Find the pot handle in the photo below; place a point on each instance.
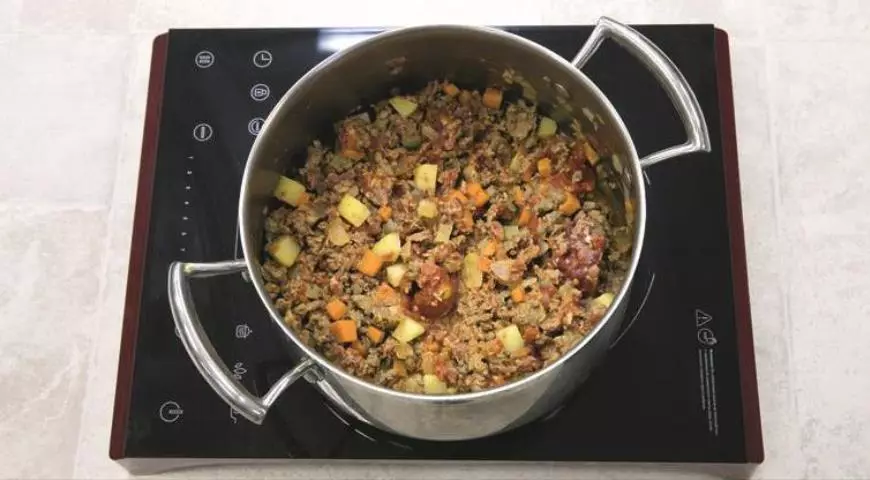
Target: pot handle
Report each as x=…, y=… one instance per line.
x=669, y=77
x=201, y=350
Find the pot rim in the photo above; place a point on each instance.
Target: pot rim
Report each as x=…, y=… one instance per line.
x=252, y=262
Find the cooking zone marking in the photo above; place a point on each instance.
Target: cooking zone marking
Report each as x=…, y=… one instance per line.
x=649, y=287
x=707, y=369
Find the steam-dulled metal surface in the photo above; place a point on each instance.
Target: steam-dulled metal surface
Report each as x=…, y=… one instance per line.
x=675, y=387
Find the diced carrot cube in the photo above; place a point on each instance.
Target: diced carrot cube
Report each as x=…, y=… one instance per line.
x=385, y=212
x=336, y=309
x=376, y=335
x=570, y=205
x=525, y=217
x=481, y=199
x=483, y=263
x=545, y=167
x=478, y=194
x=518, y=294
x=472, y=188
x=492, y=98
x=450, y=89
x=344, y=331
x=519, y=196
x=370, y=264
x=457, y=195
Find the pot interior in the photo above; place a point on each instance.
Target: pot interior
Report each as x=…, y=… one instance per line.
x=407, y=59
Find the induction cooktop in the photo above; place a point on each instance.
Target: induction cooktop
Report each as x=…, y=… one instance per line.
x=677, y=386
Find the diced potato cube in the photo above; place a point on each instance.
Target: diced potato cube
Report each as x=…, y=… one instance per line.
x=472, y=277
x=352, y=210
x=404, y=106
x=511, y=231
x=426, y=177
x=388, y=247
x=547, y=127
x=290, y=191
x=395, y=274
x=427, y=209
x=518, y=163
x=284, y=249
x=336, y=234
x=511, y=338
x=408, y=330
x=603, y=301
x=403, y=351
x=443, y=233
x=433, y=385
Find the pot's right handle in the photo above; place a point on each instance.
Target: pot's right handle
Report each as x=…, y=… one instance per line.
x=201, y=350
x=669, y=77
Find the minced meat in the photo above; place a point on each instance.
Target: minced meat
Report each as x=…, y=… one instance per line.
x=504, y=257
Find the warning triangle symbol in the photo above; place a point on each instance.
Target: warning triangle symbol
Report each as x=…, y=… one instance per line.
x=701, y=317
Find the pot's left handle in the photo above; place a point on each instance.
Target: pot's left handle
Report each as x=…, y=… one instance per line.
x=201, y=350
x=666, y=73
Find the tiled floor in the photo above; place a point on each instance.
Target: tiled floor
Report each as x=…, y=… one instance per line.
x=72, y=97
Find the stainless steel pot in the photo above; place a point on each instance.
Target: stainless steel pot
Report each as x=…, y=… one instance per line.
x=469, y=55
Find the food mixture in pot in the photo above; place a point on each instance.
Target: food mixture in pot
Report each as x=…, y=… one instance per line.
x=451, y=242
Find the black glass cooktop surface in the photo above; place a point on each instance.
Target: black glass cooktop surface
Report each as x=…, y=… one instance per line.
x=675, y=386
